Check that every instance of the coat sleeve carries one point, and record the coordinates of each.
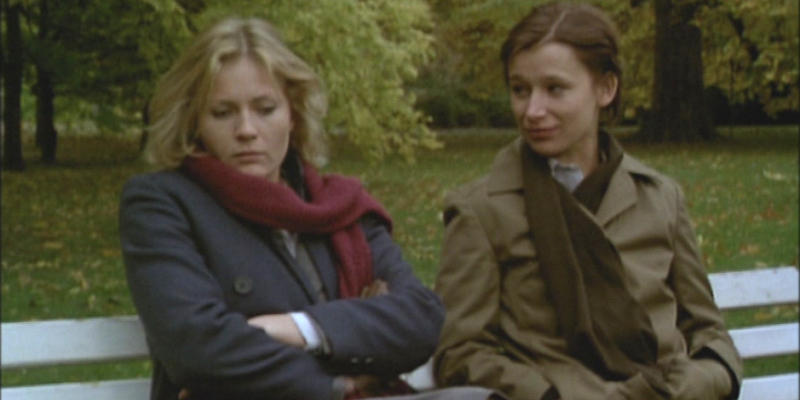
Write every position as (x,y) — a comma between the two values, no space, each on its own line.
(201,343)
(387,334)
(470,352)
(699,318)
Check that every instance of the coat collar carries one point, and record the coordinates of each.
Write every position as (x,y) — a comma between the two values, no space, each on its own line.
(506,171)
(506,176)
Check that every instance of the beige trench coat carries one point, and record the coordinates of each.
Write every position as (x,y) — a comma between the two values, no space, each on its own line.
(501,332)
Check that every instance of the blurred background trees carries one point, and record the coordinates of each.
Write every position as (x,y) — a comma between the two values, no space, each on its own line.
(395,70)
(97,60)
(734,61)
(84,60)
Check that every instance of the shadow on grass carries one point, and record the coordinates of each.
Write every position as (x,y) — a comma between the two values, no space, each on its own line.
(79,152)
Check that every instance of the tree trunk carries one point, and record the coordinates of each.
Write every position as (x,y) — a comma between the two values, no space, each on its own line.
(2,72)
(12,113)
(679,112)
(46,135)
(45,120)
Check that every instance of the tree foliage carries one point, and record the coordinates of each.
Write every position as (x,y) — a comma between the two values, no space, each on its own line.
(366,52)
(750,51)
(94,60)
(103,58)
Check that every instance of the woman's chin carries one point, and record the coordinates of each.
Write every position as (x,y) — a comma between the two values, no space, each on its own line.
(544,148)
(254,170)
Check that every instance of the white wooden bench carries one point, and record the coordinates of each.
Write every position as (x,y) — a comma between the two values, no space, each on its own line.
(66,342)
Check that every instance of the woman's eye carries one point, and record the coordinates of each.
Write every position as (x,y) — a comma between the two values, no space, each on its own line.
(220,112)
(265,110)
(520,90)
(556,89)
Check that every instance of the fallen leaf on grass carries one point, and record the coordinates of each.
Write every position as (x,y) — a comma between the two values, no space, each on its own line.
(749,249)
(774,176)
(110,253)
(53,245)
(78,276)
(769,213)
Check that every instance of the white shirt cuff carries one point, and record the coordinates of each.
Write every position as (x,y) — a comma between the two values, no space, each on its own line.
(307,329)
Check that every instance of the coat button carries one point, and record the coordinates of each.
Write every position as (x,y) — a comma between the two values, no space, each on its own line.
(242,285)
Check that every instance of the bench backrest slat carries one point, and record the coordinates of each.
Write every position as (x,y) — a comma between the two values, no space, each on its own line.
(55,342)
(132,389)
(767,340)
(760,287)
(775,387)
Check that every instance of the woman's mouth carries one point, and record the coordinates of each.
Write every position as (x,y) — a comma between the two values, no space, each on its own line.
(540,133)
(246,157)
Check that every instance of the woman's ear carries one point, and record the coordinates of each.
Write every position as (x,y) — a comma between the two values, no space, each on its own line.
(607,89)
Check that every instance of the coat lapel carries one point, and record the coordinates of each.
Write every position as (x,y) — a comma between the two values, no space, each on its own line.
(506,171)
(621,194)
(619,197)
(290,263)
(322,256)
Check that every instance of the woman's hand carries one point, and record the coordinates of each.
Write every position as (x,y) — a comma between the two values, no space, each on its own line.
(376,288)
(361,384)
(280,327)
(371,386)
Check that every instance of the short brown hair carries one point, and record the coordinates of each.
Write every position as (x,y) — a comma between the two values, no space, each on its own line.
(184,90)
(584,27)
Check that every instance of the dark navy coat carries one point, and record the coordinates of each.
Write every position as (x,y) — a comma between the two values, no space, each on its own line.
(197,273)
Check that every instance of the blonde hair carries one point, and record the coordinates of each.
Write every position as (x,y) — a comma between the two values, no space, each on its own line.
(183,91)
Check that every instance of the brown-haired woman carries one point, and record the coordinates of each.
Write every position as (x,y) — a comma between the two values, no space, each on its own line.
(571,270)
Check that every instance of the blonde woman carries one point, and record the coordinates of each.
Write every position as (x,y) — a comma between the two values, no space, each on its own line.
(256,277)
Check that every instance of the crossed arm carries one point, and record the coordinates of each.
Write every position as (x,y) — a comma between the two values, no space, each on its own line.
(282,327)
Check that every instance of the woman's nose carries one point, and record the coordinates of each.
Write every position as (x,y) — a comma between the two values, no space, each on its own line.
(245,129)
(536,107)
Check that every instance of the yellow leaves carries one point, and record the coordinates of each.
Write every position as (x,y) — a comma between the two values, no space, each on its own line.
(775,176)
(53,245)
(366,52)
(749,249)
(80,279)
(109,253)
(60,243)
(756,58)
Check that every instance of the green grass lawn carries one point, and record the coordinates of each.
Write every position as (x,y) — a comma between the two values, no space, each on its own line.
(61,258)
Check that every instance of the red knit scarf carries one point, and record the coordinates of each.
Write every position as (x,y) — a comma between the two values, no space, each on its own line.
(336,204)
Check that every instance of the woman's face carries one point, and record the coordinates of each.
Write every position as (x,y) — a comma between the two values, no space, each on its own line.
(248,119)
(556,102)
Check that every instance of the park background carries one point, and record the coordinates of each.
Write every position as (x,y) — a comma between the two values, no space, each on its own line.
(417,107)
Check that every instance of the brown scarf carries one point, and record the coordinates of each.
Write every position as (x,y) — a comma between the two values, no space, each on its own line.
(605,327)
(335,206)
